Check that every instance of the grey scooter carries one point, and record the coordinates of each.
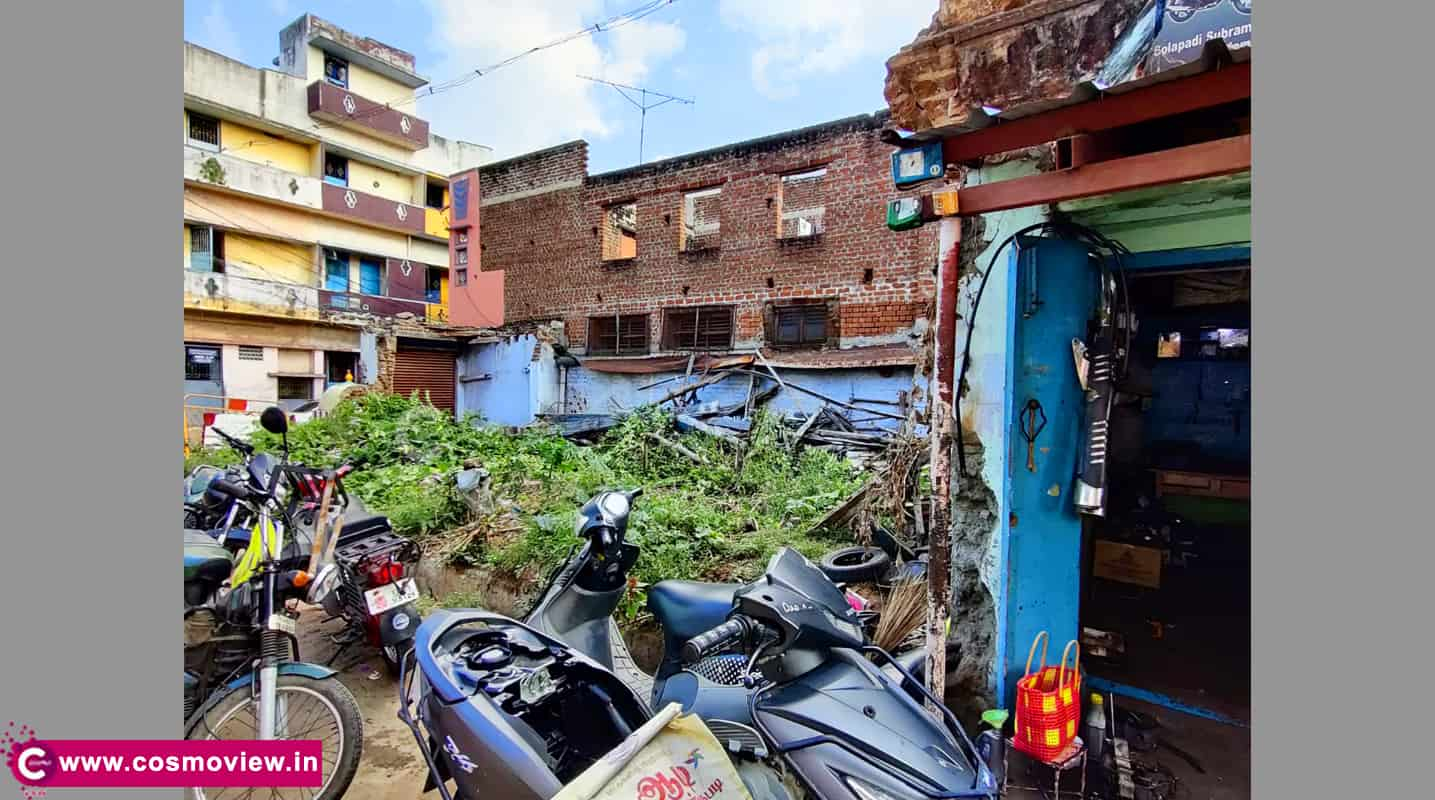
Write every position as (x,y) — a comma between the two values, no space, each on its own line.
(578,604)
(505,710)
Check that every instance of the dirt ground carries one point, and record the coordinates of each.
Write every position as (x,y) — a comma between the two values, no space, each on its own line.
(391,766)
(1222,751)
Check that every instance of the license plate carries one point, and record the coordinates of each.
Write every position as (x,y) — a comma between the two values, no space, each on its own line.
(279,621)
(391,596)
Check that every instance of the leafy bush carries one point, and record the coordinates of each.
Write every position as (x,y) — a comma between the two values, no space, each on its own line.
(719,521)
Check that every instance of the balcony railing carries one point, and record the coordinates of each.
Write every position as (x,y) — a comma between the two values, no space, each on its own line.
(377,305)
(372,209)
(240,294)
(240,175)
(343,107)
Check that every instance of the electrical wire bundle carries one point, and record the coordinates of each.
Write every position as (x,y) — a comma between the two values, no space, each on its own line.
(1108,252)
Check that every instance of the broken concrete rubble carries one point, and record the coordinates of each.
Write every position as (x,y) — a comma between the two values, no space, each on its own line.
(1000,54)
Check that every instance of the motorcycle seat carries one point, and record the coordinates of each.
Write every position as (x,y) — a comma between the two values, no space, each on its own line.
(209,571)
(688,608)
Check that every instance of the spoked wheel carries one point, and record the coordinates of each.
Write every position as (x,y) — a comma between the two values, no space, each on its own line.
(308,709)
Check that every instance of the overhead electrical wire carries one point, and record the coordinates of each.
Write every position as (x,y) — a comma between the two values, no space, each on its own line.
(612,23)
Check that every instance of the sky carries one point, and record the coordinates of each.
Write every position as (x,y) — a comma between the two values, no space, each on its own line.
(752,67)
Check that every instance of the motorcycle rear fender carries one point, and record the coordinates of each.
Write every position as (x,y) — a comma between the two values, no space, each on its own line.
(390,635)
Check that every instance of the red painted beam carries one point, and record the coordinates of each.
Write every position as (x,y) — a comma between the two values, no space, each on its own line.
(1206,90)
(1192,162)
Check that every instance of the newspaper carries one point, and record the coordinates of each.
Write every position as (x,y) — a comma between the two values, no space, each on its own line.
(672,757)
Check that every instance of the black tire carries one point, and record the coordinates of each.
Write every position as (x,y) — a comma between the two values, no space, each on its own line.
(393,654)
(223,715)
(855,564)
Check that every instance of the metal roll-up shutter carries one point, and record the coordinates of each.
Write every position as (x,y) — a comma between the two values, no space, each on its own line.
(428,370)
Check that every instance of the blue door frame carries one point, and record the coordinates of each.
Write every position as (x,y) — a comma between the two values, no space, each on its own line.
(1051,290)
(1051,293)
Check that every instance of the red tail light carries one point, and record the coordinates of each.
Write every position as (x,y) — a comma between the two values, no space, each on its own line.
(386,573)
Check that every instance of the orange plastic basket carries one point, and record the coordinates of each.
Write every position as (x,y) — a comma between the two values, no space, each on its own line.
(1048,703)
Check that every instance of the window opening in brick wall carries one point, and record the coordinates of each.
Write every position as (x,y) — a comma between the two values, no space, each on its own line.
(618,335)
(203,132)
(250,353)
(460,276)
(620,232)
(702,214)
(336,170)
(800,325)
(206,249)
(296,388)
(802,209)
(336,71)
(698,328)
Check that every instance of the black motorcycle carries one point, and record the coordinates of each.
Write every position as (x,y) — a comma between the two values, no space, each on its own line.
(517,709)
(243,679)
(209,510)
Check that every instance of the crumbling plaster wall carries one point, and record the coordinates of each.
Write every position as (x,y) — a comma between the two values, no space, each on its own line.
(978,560)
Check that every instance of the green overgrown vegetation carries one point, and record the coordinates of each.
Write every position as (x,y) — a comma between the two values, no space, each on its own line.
(716,521)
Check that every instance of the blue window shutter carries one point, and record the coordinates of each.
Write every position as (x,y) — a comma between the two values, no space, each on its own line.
(336,274)
(370,277)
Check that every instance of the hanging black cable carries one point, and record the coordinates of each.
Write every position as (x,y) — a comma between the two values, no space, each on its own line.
(1108,252)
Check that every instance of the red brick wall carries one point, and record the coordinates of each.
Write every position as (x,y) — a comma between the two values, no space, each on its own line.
(549,243)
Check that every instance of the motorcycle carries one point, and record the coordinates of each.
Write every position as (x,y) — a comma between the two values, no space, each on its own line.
(243,676)
(503,709)
(368,583)
(212,511)
(361,579)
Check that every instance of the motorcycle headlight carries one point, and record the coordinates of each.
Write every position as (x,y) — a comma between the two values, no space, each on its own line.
(323,585)
(614,505)
(866,791)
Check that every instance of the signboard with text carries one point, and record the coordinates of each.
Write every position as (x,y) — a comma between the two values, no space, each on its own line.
(1190,24)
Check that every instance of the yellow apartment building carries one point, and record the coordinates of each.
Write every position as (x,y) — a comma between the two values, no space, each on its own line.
(315,244)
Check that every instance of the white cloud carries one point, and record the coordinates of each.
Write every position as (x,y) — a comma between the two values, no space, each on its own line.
(796,39)
(217,32)
(279,7)
(539,100)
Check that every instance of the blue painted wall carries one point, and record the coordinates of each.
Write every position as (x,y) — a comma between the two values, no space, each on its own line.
(506,396)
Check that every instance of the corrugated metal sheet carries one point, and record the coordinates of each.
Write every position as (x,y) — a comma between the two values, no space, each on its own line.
(429,372)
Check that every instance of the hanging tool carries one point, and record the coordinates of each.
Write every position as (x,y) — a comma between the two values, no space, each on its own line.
(1102,358)
(1033,420)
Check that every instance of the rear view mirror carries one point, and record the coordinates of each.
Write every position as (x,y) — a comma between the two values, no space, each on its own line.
(274,420)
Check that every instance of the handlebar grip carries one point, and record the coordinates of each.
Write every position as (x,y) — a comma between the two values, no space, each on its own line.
(729,632)
(235,490)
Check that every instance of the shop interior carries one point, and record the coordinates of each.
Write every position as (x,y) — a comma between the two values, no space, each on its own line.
(1166,577)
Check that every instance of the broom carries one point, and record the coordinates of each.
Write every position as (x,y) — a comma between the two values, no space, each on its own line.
(905,611)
